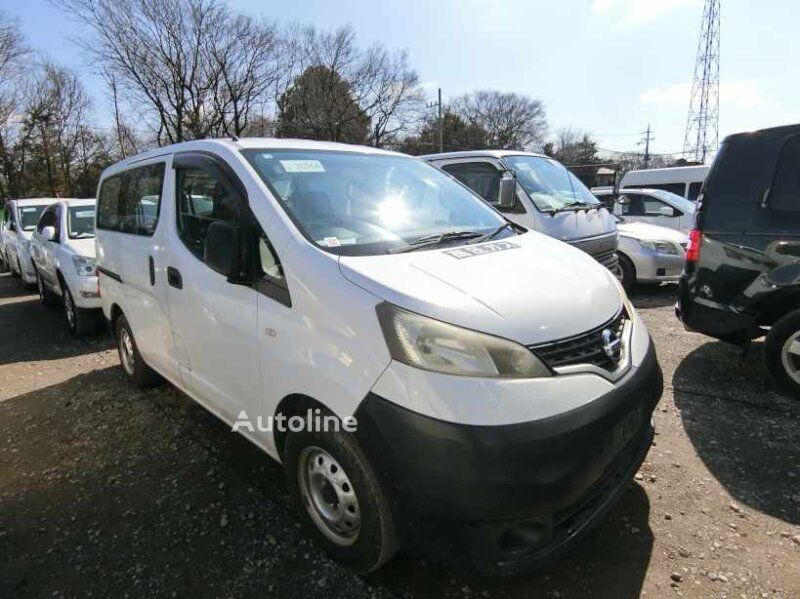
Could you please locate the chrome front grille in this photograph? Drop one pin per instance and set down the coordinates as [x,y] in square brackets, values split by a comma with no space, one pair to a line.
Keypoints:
[587,348]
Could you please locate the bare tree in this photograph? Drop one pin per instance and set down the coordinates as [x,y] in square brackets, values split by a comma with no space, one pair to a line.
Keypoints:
[573,147]
[198,69]
[512,120]
[12,52]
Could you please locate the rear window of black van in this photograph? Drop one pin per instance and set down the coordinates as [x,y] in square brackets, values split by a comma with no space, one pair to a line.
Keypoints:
[736,197]
[129,202]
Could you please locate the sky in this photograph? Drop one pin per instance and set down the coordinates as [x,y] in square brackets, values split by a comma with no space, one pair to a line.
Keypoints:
[610,67]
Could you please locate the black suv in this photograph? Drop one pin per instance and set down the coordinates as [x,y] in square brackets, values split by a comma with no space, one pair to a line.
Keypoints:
[742,273]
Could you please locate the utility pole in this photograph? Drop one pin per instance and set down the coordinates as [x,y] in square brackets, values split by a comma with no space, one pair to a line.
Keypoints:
[648,137]
[440,123]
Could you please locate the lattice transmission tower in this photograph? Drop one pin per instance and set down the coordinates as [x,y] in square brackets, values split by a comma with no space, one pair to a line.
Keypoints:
[702,126]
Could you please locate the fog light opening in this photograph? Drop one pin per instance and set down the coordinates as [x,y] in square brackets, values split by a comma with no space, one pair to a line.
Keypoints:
[522,538]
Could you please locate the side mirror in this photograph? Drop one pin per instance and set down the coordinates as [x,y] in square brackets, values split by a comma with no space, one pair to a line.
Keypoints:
[49,233]
[623,200]
[666,211]
[223,251]
[507,196]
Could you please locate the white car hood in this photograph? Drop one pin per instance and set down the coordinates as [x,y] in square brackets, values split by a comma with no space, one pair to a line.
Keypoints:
[648,232]
[82,247]
[529,288]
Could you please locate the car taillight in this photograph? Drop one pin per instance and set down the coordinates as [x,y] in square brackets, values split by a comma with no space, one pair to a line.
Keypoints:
[693,251]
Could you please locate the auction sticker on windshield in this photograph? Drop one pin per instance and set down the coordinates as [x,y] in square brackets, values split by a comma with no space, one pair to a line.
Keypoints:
[302,166]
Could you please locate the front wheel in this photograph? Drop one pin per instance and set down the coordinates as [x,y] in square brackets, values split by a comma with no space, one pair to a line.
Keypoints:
[782,353]
[80,322]
[339,498]
[627,274]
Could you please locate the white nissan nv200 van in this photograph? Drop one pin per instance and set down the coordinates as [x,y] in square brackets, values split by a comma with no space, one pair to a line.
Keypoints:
[490,382]
[547,198]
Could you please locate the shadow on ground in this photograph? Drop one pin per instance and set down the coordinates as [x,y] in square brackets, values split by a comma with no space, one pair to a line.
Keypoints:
[747,435]
[109,491]
[34,332]
[654,296]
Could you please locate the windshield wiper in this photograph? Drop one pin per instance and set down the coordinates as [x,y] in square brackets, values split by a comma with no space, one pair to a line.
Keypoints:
[491,234]
[430,240]
[576,205]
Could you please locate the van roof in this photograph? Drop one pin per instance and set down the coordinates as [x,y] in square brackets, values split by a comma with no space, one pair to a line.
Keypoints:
[79,201]
[34,201]
[479,153]
[779,131]
[270,143]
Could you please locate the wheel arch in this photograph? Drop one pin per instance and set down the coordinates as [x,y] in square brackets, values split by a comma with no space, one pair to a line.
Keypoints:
[294,404]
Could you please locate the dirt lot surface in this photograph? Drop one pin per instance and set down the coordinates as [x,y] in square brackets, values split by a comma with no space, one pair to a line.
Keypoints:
[106,491]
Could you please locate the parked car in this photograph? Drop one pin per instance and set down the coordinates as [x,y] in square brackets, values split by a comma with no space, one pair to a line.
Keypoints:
[20,219]
[684,181]
[63,254]
[547,198]
[649,254]
[652,206]
[499,382]
[742,275]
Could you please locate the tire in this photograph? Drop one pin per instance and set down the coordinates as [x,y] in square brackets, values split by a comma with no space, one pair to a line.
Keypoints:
[628,270]
[782,353]
[352,482]
[15,272]
[79,322]
[134,367]
[46,297]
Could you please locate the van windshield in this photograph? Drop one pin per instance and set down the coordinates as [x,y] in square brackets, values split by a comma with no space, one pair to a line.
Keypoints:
[365,204]
[550,186]
[29,216]
[80,220]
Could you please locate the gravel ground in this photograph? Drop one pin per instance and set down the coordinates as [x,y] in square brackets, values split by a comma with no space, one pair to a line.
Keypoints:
[107,491]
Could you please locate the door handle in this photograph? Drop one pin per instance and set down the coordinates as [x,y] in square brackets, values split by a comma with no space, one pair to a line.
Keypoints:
[152,265]
[174,277]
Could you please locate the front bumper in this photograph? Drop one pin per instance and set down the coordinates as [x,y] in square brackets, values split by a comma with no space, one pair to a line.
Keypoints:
[602,248]
[85,292]
[514,494]
[655,267]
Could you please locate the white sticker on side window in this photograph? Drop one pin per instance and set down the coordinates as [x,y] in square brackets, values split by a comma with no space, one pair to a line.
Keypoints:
[85,214]
[302,166]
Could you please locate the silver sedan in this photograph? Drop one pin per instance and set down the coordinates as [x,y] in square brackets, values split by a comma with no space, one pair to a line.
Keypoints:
[649,253]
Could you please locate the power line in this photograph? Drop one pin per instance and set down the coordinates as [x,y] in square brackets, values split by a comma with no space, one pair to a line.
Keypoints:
[648,137]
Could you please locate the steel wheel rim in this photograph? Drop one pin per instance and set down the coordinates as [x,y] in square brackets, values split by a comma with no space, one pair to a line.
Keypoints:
[790,357]
[69,308]
[126,351]
[329,496]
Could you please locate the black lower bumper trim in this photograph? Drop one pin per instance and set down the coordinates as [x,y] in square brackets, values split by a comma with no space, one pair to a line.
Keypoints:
[555,475]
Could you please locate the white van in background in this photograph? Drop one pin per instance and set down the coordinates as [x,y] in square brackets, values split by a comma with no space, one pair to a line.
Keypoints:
[684,181]
[62,250]
[496,379]
[19,223]
[544,197]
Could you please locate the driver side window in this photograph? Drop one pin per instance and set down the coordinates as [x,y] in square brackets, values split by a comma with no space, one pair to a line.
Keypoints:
[202,198]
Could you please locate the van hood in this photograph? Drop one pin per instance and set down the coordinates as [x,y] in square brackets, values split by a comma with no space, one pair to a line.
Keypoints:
[574,225]
[647,232]
[82,247]
[528,288]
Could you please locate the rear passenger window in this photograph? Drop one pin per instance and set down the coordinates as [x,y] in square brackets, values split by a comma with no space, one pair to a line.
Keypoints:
[130,201]
[785,192]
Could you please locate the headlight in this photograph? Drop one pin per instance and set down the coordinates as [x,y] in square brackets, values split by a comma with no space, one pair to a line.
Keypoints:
[662,247]
[86,267]
[432,345]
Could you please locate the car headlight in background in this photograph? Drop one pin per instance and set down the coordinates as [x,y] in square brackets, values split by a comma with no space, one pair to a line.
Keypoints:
[432,345]
[662,247]
[86,267]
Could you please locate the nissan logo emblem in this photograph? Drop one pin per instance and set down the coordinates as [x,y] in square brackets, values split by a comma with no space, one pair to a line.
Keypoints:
[611,344]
